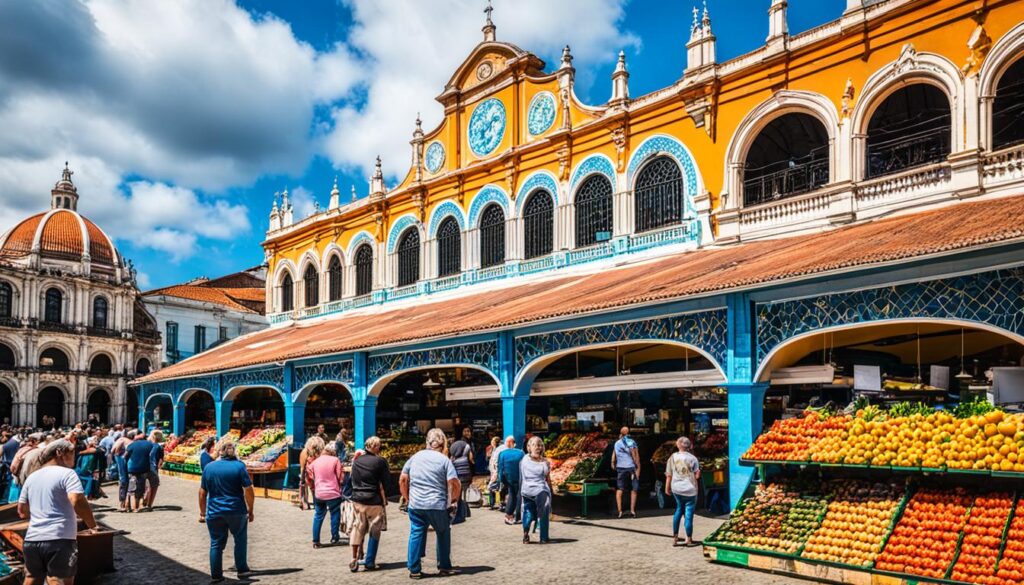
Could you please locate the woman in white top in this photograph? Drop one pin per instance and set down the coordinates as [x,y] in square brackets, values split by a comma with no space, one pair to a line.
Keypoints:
[682,475]
[535,489]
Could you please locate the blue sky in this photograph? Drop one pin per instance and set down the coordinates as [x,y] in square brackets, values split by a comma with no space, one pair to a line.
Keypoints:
[182,119]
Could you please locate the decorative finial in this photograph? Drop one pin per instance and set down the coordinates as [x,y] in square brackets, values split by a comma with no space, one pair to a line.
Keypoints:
[696,21]
[489,25]
[378,172]
[621,65]
[334,190]
[706,20]
[488,12]
[353,193]
[418,132]
[566,57]
[65,175]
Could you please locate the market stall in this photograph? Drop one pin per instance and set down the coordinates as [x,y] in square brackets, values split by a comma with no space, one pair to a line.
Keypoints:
[329,405]
[182,454]
[906,492]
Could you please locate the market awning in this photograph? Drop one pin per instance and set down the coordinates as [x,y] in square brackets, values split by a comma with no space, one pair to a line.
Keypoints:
[955,228]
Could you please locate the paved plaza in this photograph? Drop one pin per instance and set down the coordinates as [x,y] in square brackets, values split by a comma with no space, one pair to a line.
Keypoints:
[170,546]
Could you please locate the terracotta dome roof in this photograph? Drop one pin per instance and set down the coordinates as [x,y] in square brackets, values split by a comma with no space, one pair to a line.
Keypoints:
[61,234]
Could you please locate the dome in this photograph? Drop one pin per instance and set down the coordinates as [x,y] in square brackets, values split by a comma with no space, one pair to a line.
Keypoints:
[61,233]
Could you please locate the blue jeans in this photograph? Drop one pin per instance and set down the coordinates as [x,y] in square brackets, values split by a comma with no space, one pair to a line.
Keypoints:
[512,501]
[219,527]
[687,504]
[419,520]
[370,552]
[530,516]
[320,511]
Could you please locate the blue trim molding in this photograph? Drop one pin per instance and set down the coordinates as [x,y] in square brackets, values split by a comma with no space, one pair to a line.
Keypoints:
[489,194]
[705,330]
[400,225]
[595,163]
[663,144]
[272,377]
[358,240]
[442,211]
[340,371]
[483,354]
[538,180]
[993,298]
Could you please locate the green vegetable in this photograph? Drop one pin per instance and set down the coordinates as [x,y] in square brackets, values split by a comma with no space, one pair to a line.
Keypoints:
[973,407]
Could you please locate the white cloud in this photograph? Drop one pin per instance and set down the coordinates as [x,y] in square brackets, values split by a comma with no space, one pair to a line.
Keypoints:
[303,201]
[410,48]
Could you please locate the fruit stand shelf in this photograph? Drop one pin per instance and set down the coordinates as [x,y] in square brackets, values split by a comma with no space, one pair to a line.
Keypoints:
[889,468]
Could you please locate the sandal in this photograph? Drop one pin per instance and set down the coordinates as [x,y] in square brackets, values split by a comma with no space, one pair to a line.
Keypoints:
[353,565]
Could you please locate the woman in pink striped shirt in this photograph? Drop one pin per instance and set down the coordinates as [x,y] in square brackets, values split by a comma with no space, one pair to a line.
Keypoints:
[326,475]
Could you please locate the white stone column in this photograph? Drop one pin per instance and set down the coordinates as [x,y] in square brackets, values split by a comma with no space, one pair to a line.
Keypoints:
[471,246]
[972,116]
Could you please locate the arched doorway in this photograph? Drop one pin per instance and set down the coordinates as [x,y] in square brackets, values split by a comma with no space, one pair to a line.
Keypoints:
[50,408]
[7,359]
[159,413]
[912,127]
[449,398]
[580,398]
[99,405]
[329,405]
[790,156]
[200,410]
[929,361]
[255,408]
[54,359]
[101,365]
[6,404]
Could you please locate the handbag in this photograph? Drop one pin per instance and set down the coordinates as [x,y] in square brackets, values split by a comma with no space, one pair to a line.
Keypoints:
[383,519]
[473,496]
[348,517]
[461,512]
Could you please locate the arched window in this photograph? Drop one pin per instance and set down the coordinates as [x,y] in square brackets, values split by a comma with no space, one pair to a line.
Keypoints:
[909,129]
[7,361]
[100,364]
[449,247]
[788,157]
[658,195]
[364,270]
[142,367]
[334,279]
[539,224]
[409,257]
[99,313]
[6,301]
[311,282]
[492,236]
[594,211]
[54,306]
[287,293]
[1008,108]
[54,359]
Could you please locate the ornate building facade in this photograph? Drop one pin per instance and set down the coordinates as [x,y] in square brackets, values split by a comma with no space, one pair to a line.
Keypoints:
[73,330]
[860,179]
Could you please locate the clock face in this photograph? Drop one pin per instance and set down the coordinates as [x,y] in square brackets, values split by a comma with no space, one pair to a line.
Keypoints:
[486,127]
[484,70]
[434,157]
[541,115]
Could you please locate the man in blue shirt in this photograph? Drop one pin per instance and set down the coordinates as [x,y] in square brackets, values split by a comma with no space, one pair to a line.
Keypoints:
[156,460]
[107,444]
[138,458]
[10,448]
[626,460]
[431,486]
[508,476]
[226,500]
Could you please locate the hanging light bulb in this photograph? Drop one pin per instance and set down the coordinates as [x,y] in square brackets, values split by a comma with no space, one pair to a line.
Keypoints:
[963,375]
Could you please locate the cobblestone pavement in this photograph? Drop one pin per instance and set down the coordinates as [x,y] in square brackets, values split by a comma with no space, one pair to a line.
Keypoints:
[168,545]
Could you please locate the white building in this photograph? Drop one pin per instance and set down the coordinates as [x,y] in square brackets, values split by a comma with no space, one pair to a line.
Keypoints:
[72,328]
[197,315]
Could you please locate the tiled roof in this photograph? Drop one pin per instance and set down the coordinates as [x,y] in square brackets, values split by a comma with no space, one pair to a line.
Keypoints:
[710,270]
[226,297]
[61,237]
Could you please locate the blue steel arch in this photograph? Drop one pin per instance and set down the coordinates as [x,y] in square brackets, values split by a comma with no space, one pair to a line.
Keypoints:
[994,299]
[482,355]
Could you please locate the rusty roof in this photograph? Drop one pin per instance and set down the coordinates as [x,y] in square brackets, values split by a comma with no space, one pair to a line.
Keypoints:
[709,270]
[238,299]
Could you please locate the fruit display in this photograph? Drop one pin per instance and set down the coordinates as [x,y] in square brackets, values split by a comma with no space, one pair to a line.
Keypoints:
[577,457]
[983,535]
[858,519]
[566,445]
[265,458]
[993,441]
[779,518]
[924,541]
[1010,570]
[396,453]
[187,445]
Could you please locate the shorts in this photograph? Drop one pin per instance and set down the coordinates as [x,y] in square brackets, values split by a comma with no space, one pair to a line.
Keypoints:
[368,519]
[51,558]
[153,477]
[627,479]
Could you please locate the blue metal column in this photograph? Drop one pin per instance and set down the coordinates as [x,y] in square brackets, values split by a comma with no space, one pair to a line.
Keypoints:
[746,398]
[223,408]
[295,422]
[140,416]
[365,406]
[178,425]
[513,416]
[513,408]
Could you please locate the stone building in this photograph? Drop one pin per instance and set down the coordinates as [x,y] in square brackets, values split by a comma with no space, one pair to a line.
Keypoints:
[73,329]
